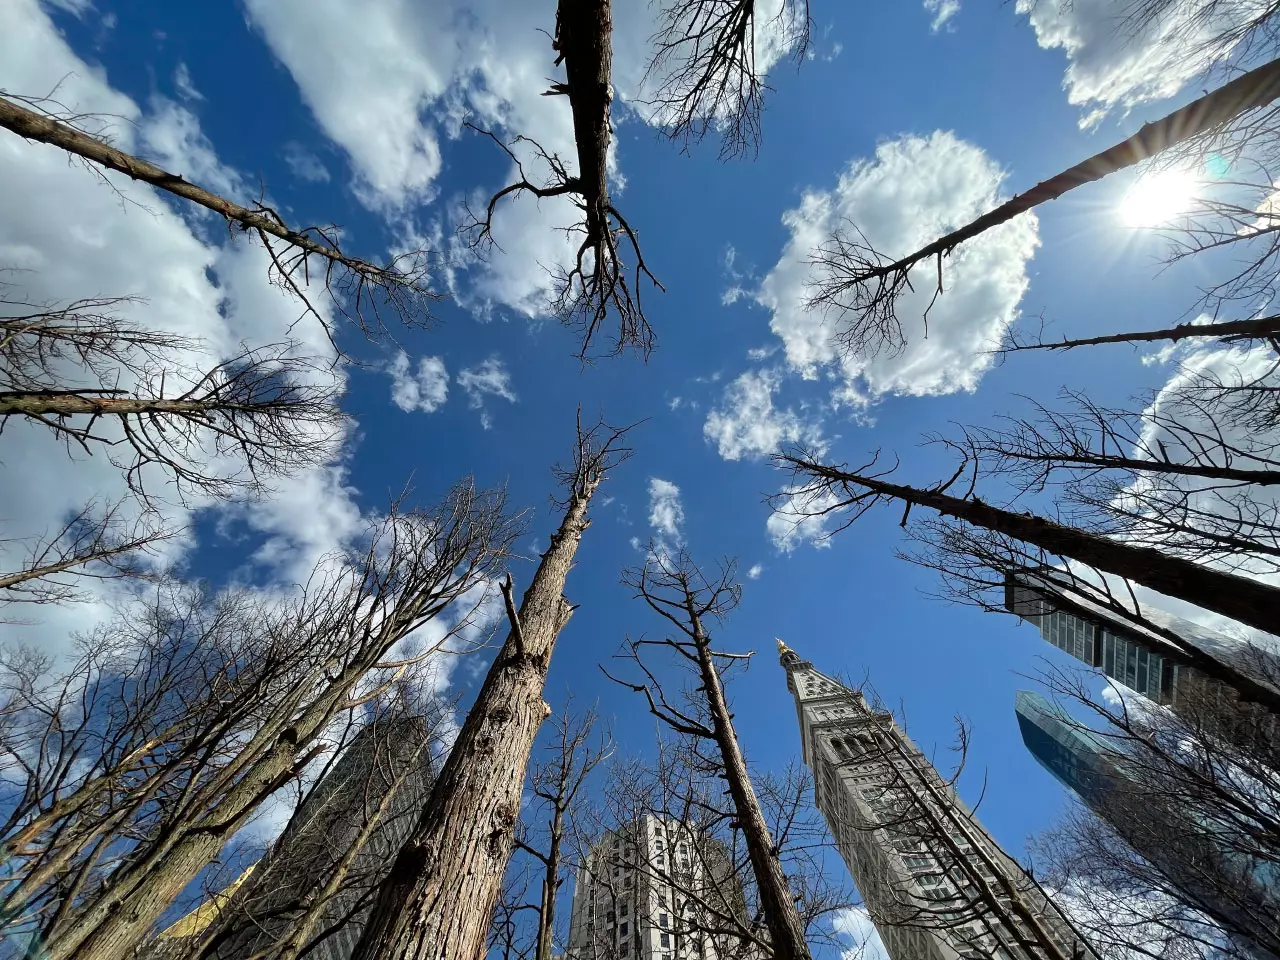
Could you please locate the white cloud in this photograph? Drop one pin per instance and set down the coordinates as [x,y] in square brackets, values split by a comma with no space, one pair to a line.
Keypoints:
[855,923]
[755,571]
[914,190]
[797,518]
[490,378]
[425,389]
[1111,66]
[746,423]
[305,164]
[183,84]
[942,11]
[666,513]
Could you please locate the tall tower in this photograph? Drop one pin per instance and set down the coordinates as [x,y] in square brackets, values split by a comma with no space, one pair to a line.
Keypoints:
[640,893]
[935,883]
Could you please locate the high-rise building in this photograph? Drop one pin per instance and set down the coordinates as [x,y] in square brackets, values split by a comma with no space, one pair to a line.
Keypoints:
[643,893]
[1178,843]
[387,755]
[1127,652]
[936,885]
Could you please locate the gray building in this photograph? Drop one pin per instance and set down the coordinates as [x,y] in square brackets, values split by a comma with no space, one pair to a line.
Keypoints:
[638,896]
[937,886]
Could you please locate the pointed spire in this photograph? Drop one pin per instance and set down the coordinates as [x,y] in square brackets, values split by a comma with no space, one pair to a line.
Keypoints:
[789,658]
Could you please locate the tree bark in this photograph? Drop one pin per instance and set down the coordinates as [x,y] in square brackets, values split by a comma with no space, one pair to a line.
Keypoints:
[72,404]
[584,32]
[1249,601]
[437,900]
[786,930]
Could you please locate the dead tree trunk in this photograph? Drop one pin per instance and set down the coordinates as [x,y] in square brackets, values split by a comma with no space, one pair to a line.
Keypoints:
[403,289]
[1248,601]
[437,901]
[786,931]
[675,588]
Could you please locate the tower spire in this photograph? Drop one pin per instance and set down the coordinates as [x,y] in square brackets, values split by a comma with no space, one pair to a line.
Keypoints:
[788,657]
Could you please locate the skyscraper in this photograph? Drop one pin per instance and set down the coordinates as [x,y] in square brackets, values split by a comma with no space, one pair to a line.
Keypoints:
[1190,849]
[1123,650]
[935,883]
[642,893]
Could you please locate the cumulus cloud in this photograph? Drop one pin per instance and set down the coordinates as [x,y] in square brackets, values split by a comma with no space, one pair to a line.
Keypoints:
[913,190]
[755,571]
[389,80]
[798,518]
[1111,65]
[424,389]
[746,424]
[855,923]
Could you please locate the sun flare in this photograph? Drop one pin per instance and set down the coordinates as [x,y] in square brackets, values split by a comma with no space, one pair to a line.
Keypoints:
[1156,199]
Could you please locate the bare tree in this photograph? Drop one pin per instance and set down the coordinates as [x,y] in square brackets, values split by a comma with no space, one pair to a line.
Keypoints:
[130,792]
[829,490]
[439,897]
[360,290]
[677,590]
[860,285]
[1182,822]
[703,71]
[571,756]
[101,541]
[596,283]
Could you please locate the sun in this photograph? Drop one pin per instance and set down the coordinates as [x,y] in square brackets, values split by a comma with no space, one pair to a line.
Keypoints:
[1157,198]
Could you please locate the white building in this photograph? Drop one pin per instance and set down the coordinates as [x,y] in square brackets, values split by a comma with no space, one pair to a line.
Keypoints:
[937,886]
[643,890]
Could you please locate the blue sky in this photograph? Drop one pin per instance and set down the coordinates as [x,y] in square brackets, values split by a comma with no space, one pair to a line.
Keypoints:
[349,113]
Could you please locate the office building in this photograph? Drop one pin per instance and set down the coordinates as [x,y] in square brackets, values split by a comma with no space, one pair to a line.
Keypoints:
[937,886]
[644,891]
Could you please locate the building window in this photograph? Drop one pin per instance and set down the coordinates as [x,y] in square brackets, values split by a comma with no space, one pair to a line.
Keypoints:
[622,929]
[665,940]
[625,908]
[662,920]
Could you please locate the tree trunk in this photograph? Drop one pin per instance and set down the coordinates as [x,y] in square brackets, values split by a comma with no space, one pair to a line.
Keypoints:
[437,900]
[584,31]
[1261,328]
[56,404]
[1240,598]
[1254,89]
[35,126]
[550,886]
[786,930]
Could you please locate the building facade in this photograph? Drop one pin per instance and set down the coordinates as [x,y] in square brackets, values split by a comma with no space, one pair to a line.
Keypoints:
[935,883]
[644,892]
[1097,772]
[387,755]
